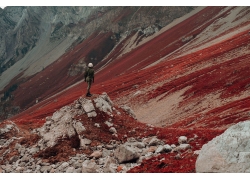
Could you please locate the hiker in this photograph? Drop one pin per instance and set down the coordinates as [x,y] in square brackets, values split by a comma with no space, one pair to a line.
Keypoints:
[89,77]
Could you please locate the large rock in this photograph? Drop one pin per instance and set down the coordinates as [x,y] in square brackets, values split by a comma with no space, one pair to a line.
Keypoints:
[126,153]
[89,167]
[229,152]
[103,105]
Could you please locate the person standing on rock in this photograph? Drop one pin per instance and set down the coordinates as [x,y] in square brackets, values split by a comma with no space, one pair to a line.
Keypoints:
[89,78]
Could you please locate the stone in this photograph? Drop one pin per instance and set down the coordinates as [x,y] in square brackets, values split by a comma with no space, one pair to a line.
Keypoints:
[182,147]
[126,153]
[129,111]
[154,142]
[78,170]
[87,105]
[64,165]
[18,146]
[96,154]
[78,165]
[92,114]
[79,127]
[152,149]
[173,146]
[103,105]
[228,152]
[14,159]
[182,140]
[34,150]
[89,166]
[84,142]
[140,145]
[52,170]
[109,124]
[105,153]
[45,169]
[112,130]
[168,148]
[70,170]
[19,169]
[160,149]
[109,146]
[25,158]
[2,142]
[119,168]
[109,165]
[97,125]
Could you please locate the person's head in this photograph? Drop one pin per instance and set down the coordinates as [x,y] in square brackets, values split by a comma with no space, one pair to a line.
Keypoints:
[90,65]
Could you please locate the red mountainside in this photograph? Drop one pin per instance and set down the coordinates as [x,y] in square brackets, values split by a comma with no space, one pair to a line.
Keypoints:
[188,79]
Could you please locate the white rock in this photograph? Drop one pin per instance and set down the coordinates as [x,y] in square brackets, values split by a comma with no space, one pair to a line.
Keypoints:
[129,111]
[167,148]
[182,140]
[108,124]
[89,167]
[160,149]
[79,127]
[92,114]
[88,106]
[103,105]
[70,170]
[84,142]
[97,125]
[227,153]
[112,130]
[173,146]
[64,165]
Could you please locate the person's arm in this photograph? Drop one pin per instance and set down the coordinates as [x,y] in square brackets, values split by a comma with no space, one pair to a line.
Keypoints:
[85,74]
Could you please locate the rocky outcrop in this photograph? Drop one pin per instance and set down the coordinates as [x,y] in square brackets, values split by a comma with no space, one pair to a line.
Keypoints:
[227,153]
[64,124]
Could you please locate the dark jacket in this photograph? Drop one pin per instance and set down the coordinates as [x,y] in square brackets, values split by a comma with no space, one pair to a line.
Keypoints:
[90,73]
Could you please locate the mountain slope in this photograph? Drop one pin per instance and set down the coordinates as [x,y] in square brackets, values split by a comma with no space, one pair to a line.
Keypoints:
[189,79]
[49,34]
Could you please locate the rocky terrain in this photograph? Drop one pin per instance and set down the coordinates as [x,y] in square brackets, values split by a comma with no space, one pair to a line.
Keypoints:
[178,77]
[68,135]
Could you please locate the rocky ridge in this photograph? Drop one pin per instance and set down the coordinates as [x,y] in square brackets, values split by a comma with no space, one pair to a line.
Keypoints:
[65,126]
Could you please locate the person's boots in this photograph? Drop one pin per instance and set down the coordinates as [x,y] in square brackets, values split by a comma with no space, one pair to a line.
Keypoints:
[88,94]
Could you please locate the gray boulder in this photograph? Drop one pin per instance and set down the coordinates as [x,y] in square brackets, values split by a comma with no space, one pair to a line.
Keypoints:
[89,166]
[227,153]
[126,153]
